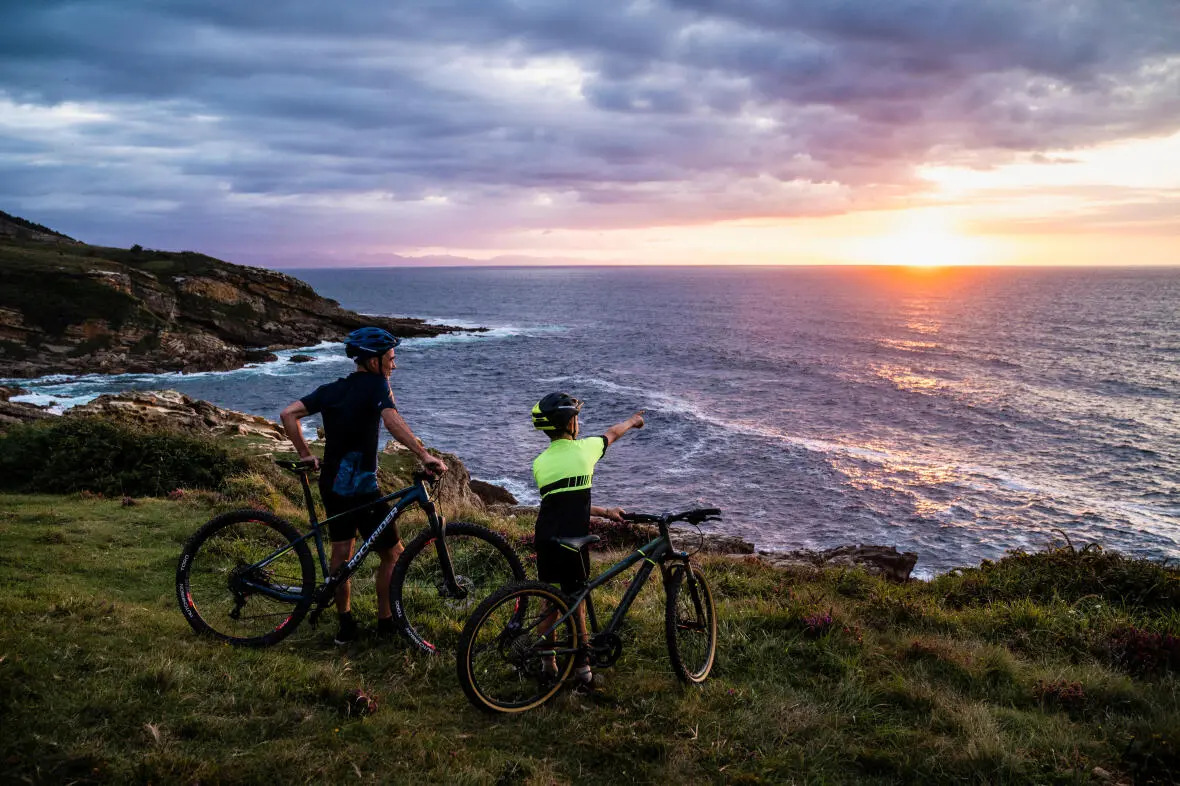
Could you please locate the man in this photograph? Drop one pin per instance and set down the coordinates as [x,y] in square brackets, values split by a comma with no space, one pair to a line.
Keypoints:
[353,409]
[564,473]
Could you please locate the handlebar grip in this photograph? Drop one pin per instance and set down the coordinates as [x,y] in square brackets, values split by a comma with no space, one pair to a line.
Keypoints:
[640,517]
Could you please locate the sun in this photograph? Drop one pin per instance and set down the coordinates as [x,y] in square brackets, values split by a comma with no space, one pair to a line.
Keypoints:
[924,241]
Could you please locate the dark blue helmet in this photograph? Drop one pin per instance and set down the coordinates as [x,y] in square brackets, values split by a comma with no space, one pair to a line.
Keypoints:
[369,342]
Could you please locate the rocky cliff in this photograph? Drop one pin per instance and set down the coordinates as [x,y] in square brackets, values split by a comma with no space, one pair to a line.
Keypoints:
[68,307]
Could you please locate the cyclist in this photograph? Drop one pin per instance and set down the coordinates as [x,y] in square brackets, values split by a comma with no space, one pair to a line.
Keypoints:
[563,473]
[353,409]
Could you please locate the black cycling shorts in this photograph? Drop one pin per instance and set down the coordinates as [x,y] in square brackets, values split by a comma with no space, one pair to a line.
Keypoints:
[364,520]
[558,565]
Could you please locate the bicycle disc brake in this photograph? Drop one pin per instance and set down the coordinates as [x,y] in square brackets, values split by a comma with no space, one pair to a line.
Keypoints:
[605,649]
[457,597]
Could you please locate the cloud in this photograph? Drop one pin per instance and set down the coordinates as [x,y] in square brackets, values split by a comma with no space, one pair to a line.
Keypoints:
[239,127]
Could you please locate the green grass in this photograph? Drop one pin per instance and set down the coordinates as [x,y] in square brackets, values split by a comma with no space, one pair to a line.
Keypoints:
[101,680]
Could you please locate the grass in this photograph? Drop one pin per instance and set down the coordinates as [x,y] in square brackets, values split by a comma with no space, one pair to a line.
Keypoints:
[101,680]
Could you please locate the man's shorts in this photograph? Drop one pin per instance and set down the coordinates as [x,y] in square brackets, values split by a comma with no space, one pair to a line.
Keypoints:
[364,520]
[557,564]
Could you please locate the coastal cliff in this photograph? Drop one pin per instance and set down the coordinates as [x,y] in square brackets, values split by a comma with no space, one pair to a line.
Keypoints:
[68,307]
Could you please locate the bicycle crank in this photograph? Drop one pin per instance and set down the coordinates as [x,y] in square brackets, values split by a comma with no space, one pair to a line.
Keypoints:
[605,649]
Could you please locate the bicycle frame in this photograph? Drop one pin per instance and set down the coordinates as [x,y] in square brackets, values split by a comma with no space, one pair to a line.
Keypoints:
[656,552]
[402,499]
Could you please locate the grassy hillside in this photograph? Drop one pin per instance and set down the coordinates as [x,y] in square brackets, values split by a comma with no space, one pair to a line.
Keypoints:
[1038,669]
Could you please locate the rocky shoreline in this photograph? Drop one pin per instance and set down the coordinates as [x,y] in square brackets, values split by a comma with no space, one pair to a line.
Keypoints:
[458,490]
[71,308]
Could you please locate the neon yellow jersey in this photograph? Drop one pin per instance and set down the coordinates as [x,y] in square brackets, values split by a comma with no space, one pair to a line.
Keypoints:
[567,465]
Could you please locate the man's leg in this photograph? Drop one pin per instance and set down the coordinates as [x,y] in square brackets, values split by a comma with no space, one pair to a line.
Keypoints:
[341,553]
[389,558]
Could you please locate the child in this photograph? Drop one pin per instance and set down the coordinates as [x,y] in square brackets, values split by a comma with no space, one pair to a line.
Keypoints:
[563,473]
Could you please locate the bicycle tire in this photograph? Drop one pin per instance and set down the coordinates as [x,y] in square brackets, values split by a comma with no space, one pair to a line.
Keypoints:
[482,561]
[205,571]
[499,667]
[690,624]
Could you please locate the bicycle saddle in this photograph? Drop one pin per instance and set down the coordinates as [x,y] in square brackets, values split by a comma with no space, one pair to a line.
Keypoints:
[578,543]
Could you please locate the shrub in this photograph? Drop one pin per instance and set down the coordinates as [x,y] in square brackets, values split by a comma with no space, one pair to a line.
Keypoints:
[1065,573]
[73,454]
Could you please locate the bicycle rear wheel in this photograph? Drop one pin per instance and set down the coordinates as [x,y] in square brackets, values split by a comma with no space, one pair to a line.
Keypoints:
[428,612]
[510,656]
[690,624]
[245,577]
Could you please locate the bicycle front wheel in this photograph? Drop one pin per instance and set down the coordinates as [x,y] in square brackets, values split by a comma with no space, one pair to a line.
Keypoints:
[429,612]
[246,577]
[690,624]
[513,655]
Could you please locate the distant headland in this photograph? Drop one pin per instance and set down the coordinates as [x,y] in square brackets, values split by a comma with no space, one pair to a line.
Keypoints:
[67,307]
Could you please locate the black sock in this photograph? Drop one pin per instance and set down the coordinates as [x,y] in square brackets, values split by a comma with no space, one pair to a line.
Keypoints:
[346,620]
[385,625]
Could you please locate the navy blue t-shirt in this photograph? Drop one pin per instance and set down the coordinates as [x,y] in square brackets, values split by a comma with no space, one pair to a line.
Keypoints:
[351,408]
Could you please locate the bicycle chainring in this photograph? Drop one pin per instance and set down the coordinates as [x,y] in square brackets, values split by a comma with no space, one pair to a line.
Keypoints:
[605,649]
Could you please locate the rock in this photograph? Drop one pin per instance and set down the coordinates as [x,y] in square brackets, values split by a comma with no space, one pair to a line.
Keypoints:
[259,356]
[453,490]
[392,446]
[14,412]
[176,410]
[884,561]
[300,359]
[492,494]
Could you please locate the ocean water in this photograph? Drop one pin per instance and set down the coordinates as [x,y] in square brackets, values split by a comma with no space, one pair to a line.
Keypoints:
[957,413]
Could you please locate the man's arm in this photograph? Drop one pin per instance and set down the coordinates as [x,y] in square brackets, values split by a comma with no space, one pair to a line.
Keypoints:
[619,429]
[401,432]
[290,418]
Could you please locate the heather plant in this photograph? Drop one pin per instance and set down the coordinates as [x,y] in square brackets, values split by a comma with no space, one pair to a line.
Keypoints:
[1143,652]
[1063,694]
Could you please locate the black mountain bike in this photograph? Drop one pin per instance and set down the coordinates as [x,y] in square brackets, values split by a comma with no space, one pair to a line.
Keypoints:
[248,577]
[520,644]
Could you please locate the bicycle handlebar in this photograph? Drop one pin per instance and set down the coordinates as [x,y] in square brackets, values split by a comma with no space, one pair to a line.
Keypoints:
[695,516]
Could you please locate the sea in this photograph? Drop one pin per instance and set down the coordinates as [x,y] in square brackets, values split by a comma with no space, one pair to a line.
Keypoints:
[958,412]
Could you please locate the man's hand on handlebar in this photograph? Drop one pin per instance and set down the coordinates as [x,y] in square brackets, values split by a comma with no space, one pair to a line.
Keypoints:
[434,465]
[310,461]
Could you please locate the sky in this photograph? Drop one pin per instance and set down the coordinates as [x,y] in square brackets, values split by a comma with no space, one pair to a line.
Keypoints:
[304,133]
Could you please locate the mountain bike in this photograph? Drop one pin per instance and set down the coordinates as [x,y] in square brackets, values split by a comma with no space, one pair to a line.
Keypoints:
[248,577]
[517,635]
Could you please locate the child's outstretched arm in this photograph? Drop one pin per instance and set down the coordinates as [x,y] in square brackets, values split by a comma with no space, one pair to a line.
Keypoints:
[619,429]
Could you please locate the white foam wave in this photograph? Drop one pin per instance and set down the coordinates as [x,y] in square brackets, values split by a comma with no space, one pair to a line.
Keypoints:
[57,403]
[662,401]
[524,492]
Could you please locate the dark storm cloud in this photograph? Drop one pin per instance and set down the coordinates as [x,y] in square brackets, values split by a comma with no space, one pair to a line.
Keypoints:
[681,111]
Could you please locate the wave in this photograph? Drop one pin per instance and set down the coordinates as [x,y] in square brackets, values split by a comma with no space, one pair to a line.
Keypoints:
[525,493]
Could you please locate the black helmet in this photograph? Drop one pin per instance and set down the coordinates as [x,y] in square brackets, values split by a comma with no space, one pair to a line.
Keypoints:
[369,342]
[553,412]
